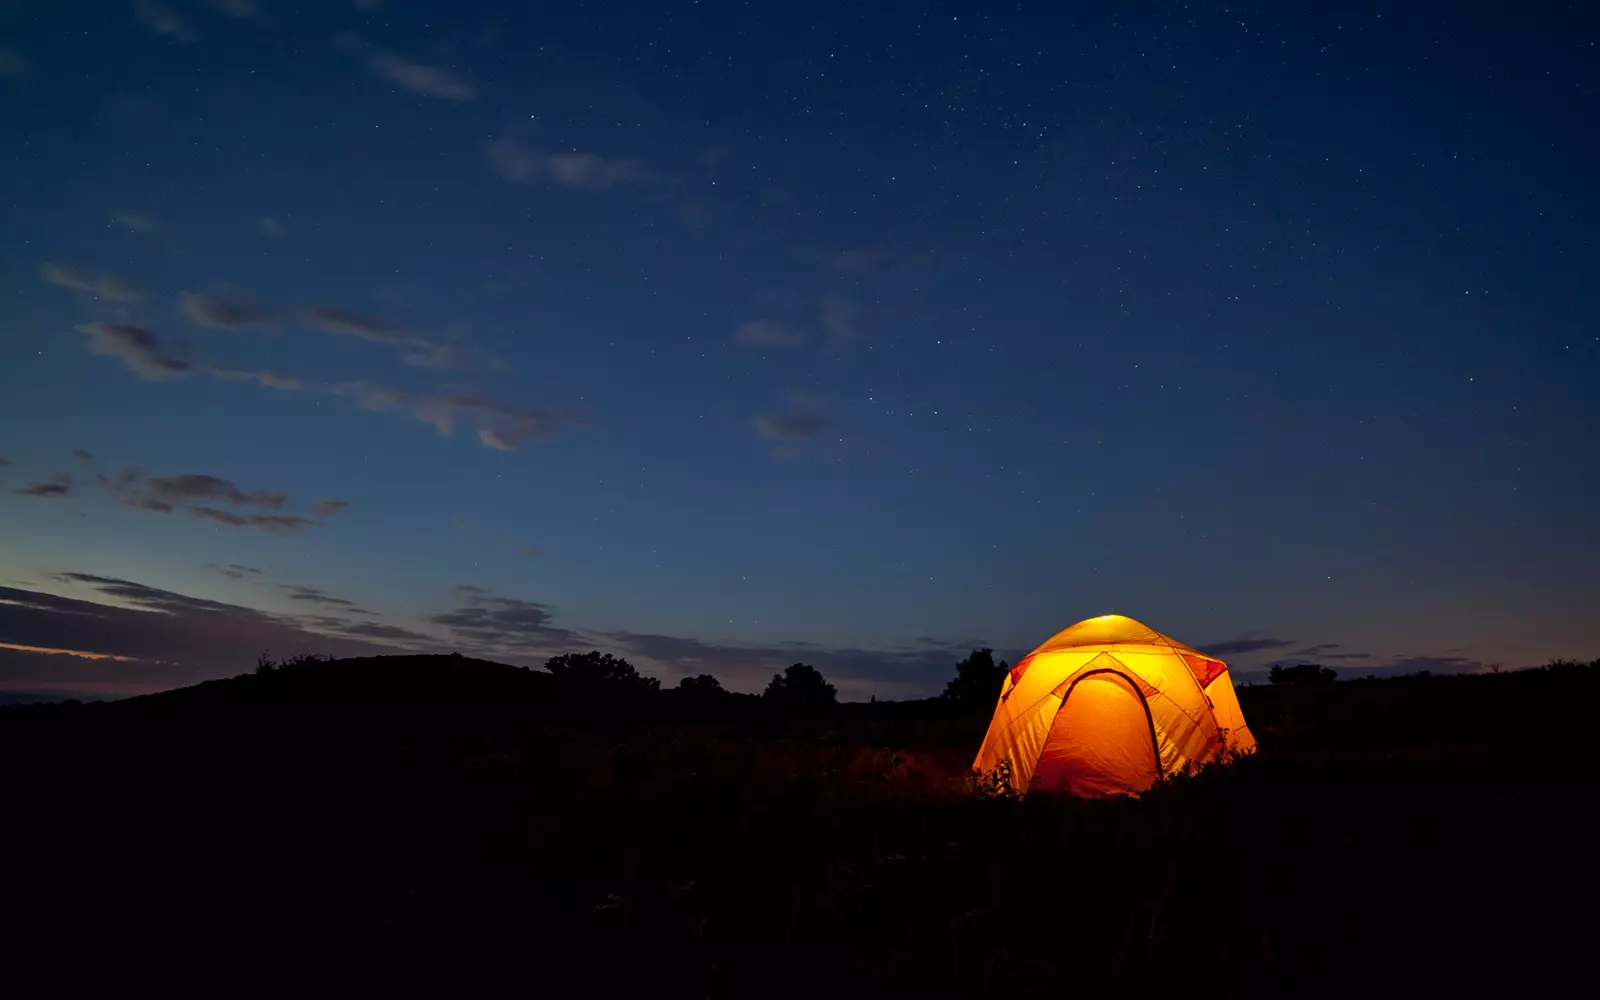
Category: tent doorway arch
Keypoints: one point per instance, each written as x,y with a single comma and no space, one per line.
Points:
1103,739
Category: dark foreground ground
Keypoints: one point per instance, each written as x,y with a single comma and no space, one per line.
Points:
1402,836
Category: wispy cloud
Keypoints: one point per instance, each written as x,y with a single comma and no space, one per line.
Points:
270,379
272,524
313,595
503,623
150,504
163,20
83,455
106,286
227,517
137,348
328,508
441,357
138,222
222,314
841,322
516,160
244,10
166,638
180,489
500,426
280,524
429,81
1246,644
272,227
342,321
372,397
804,419
767,333
55,489
234,571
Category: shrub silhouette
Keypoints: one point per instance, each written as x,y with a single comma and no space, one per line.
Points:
599,672
702,684
800,686
977,680
1305,673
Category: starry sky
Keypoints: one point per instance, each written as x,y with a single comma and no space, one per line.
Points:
727,335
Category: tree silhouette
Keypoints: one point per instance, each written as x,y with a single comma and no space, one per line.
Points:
599,672
1305,673
703,684
977,680
800,686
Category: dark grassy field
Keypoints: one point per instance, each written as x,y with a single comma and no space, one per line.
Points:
1406,835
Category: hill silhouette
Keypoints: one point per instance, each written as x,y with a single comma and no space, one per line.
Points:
414,680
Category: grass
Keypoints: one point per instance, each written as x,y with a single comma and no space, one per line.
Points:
1422,833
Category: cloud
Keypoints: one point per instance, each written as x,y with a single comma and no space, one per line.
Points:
57,488
328,508
515,160
1319,649
222,314
150,504
13,64
270,379
1246,645
280,524
767,333
492,622
5,461
244,10
502,427
140,350
443,357
342,321
429,81
227,517
803,421
169,638
123,482
135,347
313,595
530,550
164,20
373,397
82,456
234,571
106,286
840,319
272,524
137,222
272,227
180,489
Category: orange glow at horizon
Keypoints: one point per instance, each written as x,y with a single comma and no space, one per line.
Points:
68,652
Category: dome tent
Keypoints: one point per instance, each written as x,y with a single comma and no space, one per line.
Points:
1108,706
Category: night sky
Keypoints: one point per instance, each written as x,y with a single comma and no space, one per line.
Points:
726,335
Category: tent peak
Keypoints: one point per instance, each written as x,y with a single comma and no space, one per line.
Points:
1105,630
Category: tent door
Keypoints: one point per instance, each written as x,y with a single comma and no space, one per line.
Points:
1102,741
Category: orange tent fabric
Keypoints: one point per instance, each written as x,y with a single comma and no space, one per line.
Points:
1108,707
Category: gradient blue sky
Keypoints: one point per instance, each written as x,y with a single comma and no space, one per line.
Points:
723,335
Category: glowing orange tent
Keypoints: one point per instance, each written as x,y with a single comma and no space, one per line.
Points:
1108,706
